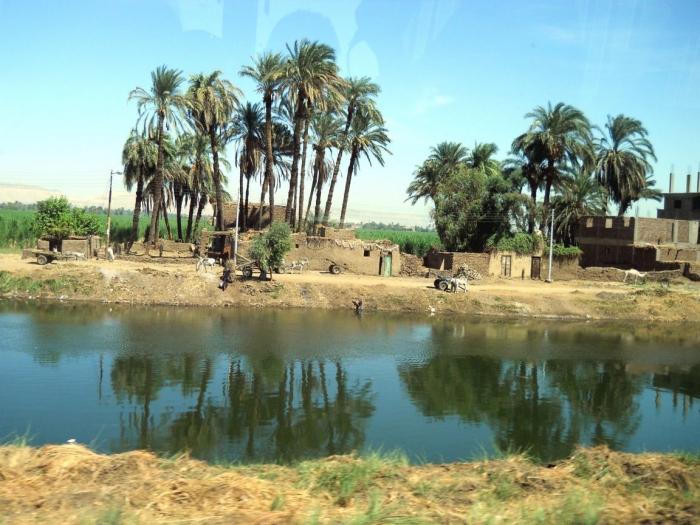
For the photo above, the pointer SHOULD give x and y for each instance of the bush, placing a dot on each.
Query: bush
(520, 243)
(566, 252)
(56, 219)
(270, 248)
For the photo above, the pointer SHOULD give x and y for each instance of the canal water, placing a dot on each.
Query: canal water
(284, 385)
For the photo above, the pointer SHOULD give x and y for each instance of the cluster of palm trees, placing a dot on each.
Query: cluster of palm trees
(175, 156)
(578, 168)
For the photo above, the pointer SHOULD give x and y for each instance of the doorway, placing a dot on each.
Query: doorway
(385, 265)
(505, 265)
(535, 269)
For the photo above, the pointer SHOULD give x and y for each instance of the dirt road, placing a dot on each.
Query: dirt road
(148, 282)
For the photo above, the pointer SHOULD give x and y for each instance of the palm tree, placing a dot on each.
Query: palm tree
(559, 135)
(481, 158)
(367, 137)
(248, 129)
(267, 71)
(213, 101)
(310, 77)
(195, 150)
(326, 129)
(623, 160)
(443, 159)
(580, 195)
(139, 157)
(359, 94)
(162, 105)
(646, 191)
(530, 164)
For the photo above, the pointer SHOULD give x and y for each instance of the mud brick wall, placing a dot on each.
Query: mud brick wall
(354, 256)
(177, 247)
(676, 254)
(477, 261)
(617, 228)
(563, 268)
(439, 260)
(520, 265)
(76, 245)
(656, 231)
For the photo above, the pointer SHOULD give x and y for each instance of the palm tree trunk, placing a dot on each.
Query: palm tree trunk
(269, 159)
(319, 188)
(200, 209)
(545, 202)
(298, 118)
(351, 167)
(179, 196)
(271, 185)
(190, 216)
(216, 175)
(157, 183)
(167, 220)
(247, 195)
(533, 209)
(263, 192)
(314, 181)
(336, 168)
(302, 175)
(241, 210)
(137, 214)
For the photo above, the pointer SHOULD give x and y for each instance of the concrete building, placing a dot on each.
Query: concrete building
(637, 242)
(681, 205)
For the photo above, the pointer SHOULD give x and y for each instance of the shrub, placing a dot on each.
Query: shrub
(56, 219)
(270, 248)
(520, 243)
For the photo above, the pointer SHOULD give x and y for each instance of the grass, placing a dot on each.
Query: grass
(71, 484)
(12, 284)
(16, 230)
(417, 243)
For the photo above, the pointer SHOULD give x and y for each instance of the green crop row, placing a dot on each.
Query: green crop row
(417, 243)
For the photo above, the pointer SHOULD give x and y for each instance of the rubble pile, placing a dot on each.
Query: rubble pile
(468, 273)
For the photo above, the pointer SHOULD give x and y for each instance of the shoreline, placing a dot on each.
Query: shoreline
(157, 284)
(72, 484)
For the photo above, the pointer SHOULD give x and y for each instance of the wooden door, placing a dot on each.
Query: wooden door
(535, 269)
(505, 265)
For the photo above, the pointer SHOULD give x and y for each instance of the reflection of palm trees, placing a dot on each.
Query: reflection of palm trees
(547, 416)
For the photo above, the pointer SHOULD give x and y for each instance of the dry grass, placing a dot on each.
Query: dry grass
(71, 484)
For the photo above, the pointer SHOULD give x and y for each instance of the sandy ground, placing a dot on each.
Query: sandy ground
(71, 484)
(144, 282)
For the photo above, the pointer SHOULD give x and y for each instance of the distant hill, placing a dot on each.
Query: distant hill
(27, 194)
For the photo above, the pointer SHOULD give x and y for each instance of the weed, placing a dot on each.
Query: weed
(113, 516)
(377, 513)
(277, 503)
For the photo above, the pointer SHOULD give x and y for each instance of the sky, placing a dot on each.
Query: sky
(452, 70)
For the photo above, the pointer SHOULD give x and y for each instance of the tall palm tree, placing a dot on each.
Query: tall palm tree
(267, 71)
(561, 135)
(368, 138)
(248, 130)
(645, 191)
(623, 157)
(443, 159)
(481, 158)
(213, 101)
(580, 195)
(163, 104)
(326, 129)
(359, 93)
(195, 149)
(530, 163)
(311, 76)
(139, 157)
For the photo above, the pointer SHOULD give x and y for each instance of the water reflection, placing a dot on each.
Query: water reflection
(278, 386)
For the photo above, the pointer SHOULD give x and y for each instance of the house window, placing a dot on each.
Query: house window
(696, 203)
(678, 204)
(608, 223)
(366, 254)
(296, 246)
(589, 222)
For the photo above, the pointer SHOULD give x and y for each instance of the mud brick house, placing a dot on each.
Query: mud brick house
(636, 242)
(681, 205)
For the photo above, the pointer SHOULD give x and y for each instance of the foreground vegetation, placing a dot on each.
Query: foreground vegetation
(417, 243)
(71, 484)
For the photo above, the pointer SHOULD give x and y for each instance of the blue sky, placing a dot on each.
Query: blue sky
(449, 70)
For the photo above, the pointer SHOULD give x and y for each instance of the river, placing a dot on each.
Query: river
(279, 386)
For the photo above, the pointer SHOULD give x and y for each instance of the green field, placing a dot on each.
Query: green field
(417, 243)
(16, 228)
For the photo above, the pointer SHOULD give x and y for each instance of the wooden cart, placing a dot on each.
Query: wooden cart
(46, 256)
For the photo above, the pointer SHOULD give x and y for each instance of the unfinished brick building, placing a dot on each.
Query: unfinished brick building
(636, 242)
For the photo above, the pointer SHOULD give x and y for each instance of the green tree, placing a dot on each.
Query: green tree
(212, 102)
(270, 248)
(481, 158)
(579, 195)
(267, 72)
(368, 137)
(55, 219)
(359, 93)
(139, 158)
(443, 160)
(310, 79)
(623, 161)
(558, 137)
(162, 105)
(326, 129)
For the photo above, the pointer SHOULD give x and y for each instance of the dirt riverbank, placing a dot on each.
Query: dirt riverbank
(147, 282)
(71, 484)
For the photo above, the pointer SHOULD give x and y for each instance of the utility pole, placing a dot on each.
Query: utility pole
(235, 238)
(109, 206)
(551, 248)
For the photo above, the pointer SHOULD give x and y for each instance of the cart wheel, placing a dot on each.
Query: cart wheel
(443, 285)
(334, 269)
(247, 272)
(436, 283)
(42, 259)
